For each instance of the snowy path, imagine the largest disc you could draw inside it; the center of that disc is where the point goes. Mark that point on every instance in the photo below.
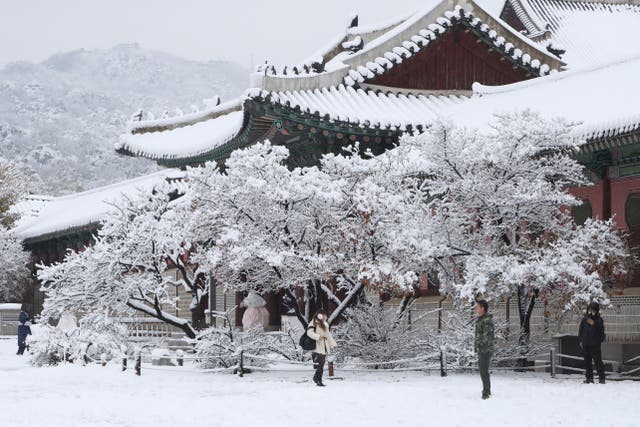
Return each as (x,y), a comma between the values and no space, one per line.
(95,396)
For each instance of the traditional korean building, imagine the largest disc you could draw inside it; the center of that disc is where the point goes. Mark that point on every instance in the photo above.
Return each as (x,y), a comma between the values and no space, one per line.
(461,59)
(368,85)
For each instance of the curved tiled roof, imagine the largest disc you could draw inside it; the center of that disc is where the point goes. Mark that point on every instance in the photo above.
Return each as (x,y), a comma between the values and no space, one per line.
(408,37)
(521,53)
(600,100)
(591,32)
(534,26)
(186,141)
(365,107)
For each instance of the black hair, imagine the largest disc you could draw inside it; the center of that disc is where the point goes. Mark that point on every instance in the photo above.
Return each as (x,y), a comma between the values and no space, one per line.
(594,306)
(484,304)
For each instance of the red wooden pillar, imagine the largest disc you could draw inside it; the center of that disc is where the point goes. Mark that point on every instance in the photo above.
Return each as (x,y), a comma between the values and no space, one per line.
(606,193)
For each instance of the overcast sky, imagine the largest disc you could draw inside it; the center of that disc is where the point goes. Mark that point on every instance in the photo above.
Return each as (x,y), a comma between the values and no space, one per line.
(282,31)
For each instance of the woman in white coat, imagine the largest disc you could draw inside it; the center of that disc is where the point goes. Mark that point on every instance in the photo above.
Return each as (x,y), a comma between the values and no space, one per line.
(318,330)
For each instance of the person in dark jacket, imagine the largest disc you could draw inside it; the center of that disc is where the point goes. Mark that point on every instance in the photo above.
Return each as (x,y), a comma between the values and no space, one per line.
(484,344)
(590,337)
(23,330)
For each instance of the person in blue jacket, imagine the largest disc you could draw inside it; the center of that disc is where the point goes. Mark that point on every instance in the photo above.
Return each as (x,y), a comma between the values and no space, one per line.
(23,330)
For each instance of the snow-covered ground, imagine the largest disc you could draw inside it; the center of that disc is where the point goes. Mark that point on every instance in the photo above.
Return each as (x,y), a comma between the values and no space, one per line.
(95,396)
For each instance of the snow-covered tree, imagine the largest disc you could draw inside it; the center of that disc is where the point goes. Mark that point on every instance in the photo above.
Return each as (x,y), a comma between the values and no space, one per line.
(339,227)
(128,268)
(487,210)
(15,183)
(14,266)
(500,196)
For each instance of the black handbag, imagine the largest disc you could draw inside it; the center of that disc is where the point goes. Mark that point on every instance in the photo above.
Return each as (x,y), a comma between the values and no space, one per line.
(306,342)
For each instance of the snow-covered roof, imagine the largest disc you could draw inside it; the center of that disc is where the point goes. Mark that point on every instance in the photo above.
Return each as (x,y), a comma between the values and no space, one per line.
(591,32)
(31,206)
(600,98)
(398,42)
(365,107)
(157,125)
(340,92)
(44,217)
(183,141)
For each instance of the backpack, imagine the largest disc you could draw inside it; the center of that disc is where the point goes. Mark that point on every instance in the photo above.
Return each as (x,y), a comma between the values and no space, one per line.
(306,342)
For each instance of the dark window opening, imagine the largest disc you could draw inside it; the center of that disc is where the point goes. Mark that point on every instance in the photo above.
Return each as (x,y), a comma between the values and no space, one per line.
(581,212)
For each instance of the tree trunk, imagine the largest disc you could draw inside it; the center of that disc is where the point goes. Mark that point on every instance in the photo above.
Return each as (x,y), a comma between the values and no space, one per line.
(198,317)
(526,303)
(296,309)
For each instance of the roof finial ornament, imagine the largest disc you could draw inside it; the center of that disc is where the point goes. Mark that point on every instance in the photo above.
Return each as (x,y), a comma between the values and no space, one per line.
(318,65)
(354,20)
(555,51)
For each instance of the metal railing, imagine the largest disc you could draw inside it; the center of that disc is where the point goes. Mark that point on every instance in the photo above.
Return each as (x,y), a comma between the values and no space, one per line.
(550,362)
(556,363)
(622,319)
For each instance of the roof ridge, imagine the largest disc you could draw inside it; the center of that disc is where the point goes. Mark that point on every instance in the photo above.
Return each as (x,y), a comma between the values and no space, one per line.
(147,126)
(304,67)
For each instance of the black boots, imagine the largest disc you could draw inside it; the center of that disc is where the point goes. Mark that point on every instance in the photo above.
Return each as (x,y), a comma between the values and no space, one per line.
(486,395)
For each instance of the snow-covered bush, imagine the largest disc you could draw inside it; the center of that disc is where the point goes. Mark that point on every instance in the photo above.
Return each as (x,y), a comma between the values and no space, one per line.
(373,333)
(47,346)
(458,334)
(96,335)
(220,347)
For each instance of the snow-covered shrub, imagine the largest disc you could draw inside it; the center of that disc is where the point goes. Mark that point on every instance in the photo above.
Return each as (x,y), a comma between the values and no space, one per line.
(46,346)
(385,334)
(96,335)
(458,334)
(220,347)
(381,334)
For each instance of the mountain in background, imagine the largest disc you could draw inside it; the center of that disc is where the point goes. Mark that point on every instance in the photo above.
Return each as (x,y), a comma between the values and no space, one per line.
(61,117)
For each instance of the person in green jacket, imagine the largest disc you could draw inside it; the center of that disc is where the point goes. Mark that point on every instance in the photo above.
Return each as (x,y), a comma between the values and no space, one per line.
(484,343)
